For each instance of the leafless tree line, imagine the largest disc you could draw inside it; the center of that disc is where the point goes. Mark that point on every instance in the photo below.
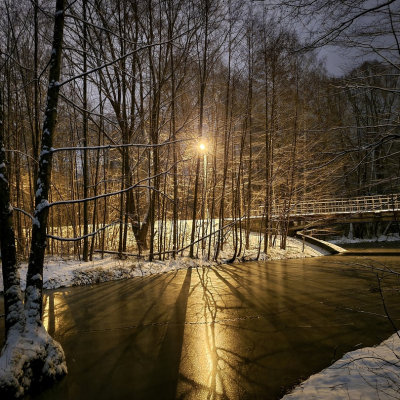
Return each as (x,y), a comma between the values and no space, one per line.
(143,84)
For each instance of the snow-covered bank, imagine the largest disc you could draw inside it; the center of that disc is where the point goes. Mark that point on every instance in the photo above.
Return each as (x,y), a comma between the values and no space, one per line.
(383,238)
(65,272)
(368,373)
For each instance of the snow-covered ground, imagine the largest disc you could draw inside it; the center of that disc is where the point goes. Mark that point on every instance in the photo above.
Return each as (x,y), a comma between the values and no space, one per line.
(369,373)
(64,272)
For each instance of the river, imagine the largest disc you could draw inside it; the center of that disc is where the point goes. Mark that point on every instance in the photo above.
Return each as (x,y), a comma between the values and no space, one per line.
(243,331)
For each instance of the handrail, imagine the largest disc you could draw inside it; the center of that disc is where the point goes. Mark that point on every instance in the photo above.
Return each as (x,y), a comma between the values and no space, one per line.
(337,206)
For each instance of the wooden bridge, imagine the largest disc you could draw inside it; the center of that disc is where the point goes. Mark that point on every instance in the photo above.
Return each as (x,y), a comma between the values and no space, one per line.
(357,209)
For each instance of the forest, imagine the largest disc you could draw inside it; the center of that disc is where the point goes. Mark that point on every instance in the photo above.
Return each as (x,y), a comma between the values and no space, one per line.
(157,128)
(144,84)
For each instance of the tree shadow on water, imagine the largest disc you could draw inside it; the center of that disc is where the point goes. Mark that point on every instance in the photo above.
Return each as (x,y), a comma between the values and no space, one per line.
(217,360)
(121,339)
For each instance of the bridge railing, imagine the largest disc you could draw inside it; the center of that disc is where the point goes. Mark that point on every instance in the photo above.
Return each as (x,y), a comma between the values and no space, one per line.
(338,206)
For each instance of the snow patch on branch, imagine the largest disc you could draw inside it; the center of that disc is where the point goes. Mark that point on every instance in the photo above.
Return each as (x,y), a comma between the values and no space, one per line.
(37,277)
(54,83)
(43,152)
(3,178)
(14,290)
(42,205)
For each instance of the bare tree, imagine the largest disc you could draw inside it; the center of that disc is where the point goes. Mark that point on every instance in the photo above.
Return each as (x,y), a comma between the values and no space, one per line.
(29,353)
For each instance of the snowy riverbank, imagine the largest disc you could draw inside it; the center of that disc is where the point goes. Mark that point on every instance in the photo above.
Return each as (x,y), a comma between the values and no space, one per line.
(65,272)
(368,373)
(383,238)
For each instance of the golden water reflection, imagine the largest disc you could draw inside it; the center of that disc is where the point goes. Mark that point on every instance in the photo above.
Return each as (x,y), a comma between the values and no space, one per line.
(213,354)
(56,313)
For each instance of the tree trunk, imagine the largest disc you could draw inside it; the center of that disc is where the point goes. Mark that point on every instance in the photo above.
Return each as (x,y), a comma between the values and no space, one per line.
(85,144)
(30,355)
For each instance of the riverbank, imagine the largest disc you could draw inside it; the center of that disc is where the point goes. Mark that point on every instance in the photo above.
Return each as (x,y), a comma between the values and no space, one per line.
(368,373)
(382,238)
(68,271)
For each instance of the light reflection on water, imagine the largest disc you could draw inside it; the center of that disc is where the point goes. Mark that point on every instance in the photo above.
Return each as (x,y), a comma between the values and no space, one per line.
(229,354)
(202,355)
(46,312)
(56,312)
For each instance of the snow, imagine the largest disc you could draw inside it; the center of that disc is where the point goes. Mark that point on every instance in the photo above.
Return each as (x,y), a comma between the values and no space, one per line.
(43,152)
(368,373)
(43,204)
(29,344)
(3,178)
(382,238)
(68,271)
(36,222)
